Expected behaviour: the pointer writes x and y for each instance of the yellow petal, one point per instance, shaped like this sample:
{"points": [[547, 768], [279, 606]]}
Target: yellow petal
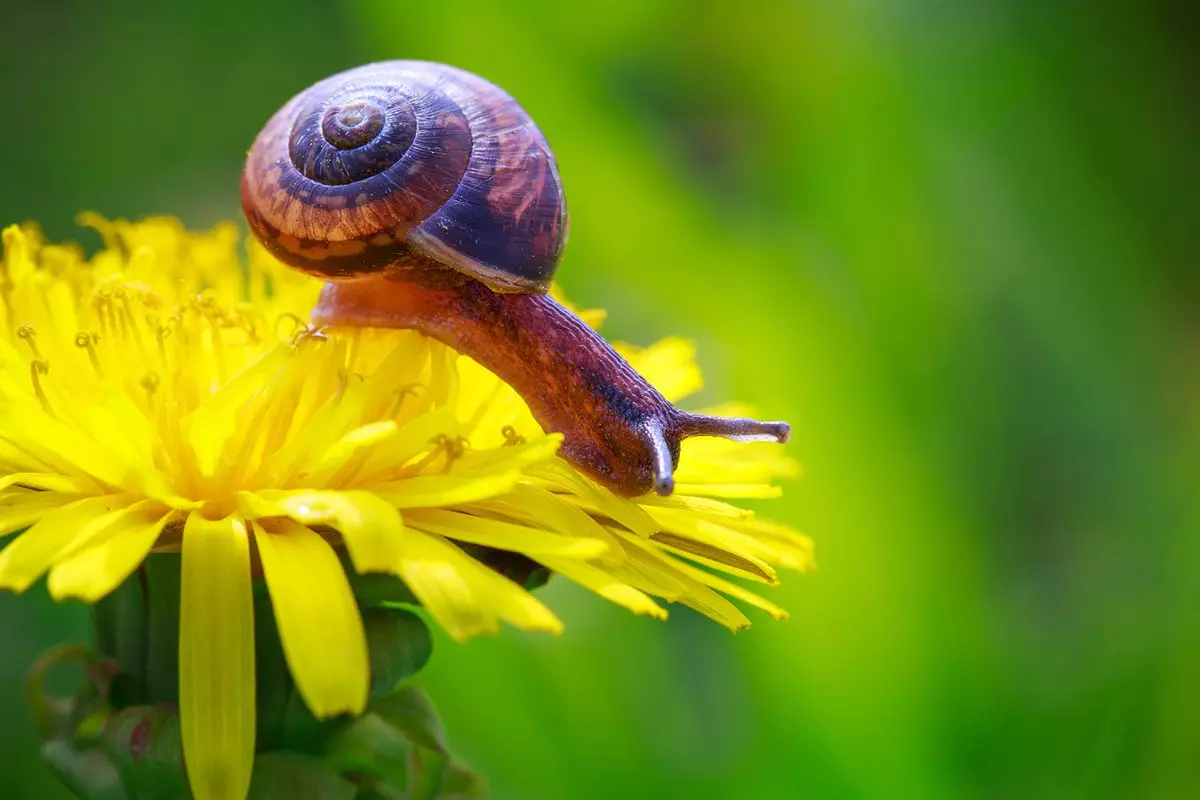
{"points": [[33, 552], [345, 448], [732, 589], [317, 426], [605, 585], [208, 428], [317, 617], [98, 569], [788, 547], [594, 497], [741, 537], [695, 594], [462, 594], [18, 262], [413, 437], [20, 510], [114, 422], [504, 535], [717, 546], [48, 482], [500, 459], [372, 528], [534, 506], [444, 490], [697, 506], [216, 658], [62, 448]]}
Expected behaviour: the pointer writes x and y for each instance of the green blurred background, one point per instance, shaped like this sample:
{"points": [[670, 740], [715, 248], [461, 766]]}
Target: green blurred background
{"points": [[953, 243]]}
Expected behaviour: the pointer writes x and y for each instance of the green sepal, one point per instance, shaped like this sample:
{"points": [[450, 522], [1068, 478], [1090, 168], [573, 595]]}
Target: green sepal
{"points": [[376, 589], [460, 783], [537, 579], [411, 712], [397, 750], [303, 732], [294, 776], [371, 747], [145, 745], [399, 644], [426, 770]]}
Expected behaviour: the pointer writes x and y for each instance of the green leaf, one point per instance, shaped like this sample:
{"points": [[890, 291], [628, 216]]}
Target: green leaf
{"points": [[292, 776], [399, 643]]}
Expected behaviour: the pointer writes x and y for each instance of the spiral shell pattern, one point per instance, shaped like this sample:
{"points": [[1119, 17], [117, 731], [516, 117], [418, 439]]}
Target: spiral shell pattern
{"points": [[407, 164]]}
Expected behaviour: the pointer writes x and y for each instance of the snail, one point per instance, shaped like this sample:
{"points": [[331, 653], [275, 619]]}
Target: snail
{"points": [[429, 200]]}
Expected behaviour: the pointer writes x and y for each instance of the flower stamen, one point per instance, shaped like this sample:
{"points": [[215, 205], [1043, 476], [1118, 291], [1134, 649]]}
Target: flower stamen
{"points": [[298, 324], [149, 383], [88, 341], [27, 333], [38, 367], [401, 394]]}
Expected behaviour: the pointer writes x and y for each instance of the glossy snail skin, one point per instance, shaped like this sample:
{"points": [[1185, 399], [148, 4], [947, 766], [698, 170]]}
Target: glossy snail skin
{"points": [[429, 200]]}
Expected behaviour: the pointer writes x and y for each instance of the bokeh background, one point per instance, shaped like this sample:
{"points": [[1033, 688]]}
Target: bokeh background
{"points": [[954, 243]]}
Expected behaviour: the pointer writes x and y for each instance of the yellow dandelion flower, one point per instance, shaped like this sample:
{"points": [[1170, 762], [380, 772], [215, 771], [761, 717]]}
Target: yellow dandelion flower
{"points": [[167, 395]]}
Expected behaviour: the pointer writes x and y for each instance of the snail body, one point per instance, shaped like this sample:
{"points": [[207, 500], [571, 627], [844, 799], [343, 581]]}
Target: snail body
{"points": [[429, 200]]}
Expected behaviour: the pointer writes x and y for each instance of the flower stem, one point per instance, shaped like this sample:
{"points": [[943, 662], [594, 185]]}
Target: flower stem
{"points": [[162, 581]]}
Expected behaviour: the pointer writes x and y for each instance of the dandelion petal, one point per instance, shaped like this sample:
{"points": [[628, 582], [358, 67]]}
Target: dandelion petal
{"points": [[317, 618], [47, 482], [96, 570], [465, 596], [506, 535], [31, 554], [606, 586], [372, 528], [216, 658], [21, 510], [445, 490]]}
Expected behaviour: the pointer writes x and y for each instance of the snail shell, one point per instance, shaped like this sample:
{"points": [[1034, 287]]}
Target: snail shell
{"points": [[407, 164]]}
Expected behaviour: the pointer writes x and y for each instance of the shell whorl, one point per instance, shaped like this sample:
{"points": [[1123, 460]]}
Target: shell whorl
{"points": [[407, 164]]}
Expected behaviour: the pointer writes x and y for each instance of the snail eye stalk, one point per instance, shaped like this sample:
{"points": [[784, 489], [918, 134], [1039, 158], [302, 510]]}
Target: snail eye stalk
{"points": [[660, 455], [738, 429]]}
